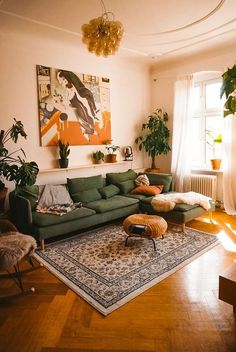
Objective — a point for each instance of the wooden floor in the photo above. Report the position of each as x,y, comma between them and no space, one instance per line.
181,313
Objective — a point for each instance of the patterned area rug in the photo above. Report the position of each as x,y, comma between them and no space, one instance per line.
99,268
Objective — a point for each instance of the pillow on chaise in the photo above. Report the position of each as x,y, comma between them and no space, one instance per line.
148,190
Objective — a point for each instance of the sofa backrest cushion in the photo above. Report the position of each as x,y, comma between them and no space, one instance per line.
117,177
160,179
109,191
79,184
86,196
126,186
29,192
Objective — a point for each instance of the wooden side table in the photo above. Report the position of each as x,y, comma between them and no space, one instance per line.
227,287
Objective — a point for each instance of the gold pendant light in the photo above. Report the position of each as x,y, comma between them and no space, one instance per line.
103,35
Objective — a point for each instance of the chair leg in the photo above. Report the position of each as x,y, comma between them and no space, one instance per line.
42,245
18,276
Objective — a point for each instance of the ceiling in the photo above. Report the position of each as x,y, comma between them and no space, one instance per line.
154,29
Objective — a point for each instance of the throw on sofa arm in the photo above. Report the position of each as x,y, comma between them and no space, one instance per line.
20,213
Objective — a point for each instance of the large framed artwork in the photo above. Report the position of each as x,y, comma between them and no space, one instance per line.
73,107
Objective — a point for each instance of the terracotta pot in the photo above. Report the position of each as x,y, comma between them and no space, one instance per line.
154,171
215,164
111,158
97,161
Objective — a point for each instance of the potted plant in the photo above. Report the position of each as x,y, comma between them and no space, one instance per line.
14,168
64,152
229,89
155,137
111,149
212,142
98,157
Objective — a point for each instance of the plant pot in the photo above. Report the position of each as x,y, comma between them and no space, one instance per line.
3,195
111,158
63,163
97,161
154,171
215,164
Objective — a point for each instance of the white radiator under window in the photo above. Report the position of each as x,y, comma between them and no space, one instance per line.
204,184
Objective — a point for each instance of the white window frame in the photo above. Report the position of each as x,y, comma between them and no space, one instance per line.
203,113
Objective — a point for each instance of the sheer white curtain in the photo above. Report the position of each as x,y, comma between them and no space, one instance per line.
229,165
181,144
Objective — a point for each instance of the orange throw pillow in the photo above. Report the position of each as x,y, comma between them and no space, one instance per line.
148,190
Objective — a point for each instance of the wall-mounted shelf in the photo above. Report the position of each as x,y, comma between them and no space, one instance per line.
85,166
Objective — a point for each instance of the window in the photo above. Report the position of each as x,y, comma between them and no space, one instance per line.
207,122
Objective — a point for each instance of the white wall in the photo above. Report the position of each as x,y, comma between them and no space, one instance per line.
23,45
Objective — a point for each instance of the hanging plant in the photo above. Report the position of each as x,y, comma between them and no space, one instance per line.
229,89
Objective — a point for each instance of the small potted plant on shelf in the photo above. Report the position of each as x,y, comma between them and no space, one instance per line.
212,141
111,149
64,152
14,168
155,137
98,157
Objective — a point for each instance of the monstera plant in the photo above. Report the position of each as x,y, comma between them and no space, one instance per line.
229,89
12,166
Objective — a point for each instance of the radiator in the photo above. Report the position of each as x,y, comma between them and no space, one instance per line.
204,184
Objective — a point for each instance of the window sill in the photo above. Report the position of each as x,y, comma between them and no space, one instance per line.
206,170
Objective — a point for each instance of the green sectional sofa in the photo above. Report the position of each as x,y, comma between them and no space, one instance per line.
103,199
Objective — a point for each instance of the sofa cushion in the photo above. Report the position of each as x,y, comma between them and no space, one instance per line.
126,186
89,195
161,179
118,177
79,184
109,191
40,219
29,192
116,202
148,190
142,180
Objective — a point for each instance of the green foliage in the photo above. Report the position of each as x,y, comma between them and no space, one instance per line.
14,168
155,137
213,141
111,148
64,150
229,89
98,155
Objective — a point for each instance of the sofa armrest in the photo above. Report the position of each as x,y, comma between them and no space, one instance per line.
20,213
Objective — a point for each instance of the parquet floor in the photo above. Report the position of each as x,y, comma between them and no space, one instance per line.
181,313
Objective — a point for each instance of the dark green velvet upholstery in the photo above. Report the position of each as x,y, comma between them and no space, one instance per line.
86,196
79,184
96,210
161,179
109,191
126,186
118,177
116,202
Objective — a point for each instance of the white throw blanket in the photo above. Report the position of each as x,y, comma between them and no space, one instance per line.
167,202
56,200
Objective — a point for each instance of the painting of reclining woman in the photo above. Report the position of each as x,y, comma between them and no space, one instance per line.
73,107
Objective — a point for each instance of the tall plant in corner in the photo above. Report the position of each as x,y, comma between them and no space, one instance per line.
156,135
229,89
12,166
